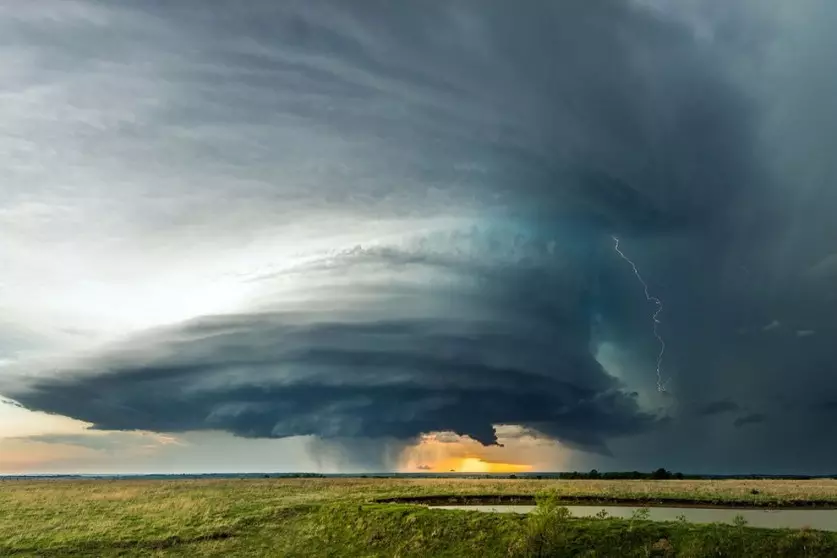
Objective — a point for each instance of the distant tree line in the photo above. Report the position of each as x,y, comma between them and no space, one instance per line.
659,474
297,476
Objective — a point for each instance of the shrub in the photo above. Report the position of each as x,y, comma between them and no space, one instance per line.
739,521
545,528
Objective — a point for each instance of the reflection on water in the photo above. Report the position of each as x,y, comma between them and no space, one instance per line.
825,520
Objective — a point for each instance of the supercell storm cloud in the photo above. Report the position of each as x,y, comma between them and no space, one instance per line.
377,220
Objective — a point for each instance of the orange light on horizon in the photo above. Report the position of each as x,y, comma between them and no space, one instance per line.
518,451
476,465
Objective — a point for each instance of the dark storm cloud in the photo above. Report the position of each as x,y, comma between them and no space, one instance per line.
718,407
601,111
487,357
828,406
700,136
753,418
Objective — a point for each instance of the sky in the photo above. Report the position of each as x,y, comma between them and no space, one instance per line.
372,236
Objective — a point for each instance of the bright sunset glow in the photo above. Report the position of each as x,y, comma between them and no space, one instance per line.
519,452
477,465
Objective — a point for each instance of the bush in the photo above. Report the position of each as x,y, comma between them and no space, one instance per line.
545,528
641,514
660,474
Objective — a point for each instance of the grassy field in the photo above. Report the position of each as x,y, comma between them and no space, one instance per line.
340,517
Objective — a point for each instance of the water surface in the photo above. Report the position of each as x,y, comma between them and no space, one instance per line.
825,520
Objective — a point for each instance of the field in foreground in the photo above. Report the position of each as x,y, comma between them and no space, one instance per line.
339,517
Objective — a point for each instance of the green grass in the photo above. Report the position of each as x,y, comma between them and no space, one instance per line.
340,517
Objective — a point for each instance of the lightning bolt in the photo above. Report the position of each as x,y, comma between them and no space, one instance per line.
661,387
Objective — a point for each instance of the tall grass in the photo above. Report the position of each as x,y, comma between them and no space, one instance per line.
339,517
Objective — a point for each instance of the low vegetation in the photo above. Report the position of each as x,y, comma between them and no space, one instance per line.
344,517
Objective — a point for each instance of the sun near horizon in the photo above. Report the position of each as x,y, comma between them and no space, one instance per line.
475,465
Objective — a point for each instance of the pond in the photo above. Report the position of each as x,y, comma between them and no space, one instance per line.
824,520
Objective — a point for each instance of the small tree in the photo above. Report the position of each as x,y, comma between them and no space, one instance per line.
660,474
